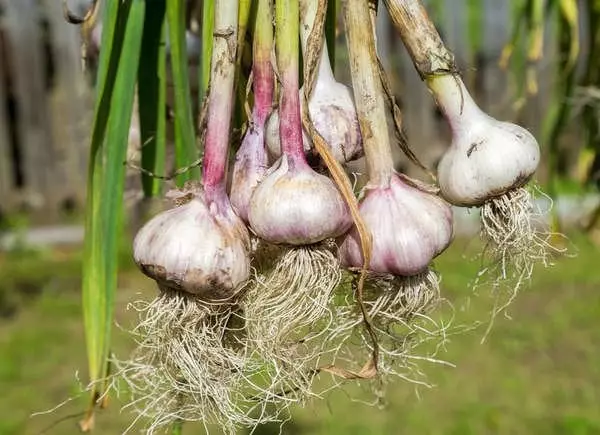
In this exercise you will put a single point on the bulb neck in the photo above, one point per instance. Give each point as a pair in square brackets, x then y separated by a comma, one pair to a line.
[216, 199]
[263, 88]
[287, 51]
[325, 73]
[456, 103]
[262, 70]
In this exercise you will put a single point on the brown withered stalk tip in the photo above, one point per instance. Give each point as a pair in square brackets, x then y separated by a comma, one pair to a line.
[420, 37]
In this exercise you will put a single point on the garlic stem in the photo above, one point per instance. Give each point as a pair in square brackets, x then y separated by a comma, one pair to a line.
[308, 11]
[422, 40]
[220, 104]
[454, 100]
[368, 92]
[286, 46]
[261, 67]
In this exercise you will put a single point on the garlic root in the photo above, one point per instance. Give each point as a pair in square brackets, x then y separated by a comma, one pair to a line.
[287, 312]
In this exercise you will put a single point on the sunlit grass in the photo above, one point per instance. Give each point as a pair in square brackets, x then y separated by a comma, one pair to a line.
[536, 373]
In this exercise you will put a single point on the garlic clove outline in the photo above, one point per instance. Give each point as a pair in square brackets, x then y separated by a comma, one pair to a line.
[487, 157]
[250, 167]
[197, 248]
[295, 205]
[409, 228]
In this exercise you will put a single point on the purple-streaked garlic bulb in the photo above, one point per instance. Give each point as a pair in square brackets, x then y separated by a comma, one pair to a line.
[408, 224]
[197, 247]
[297, 208]
[294, 205]
[409, 228]
[190, 362]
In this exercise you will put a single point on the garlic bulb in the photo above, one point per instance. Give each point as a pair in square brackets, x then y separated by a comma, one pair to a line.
[295, 205]
[196, 247]
[487, 157]
[409, 228]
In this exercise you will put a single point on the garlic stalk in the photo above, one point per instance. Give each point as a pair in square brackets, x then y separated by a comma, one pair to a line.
[331, 104]
[409, 224]
[488, 162]
[251, 160]
[299, 209]
[190, 362]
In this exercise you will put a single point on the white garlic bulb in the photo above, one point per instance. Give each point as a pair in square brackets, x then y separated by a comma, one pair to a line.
[196, 247]
[295, 205]
[409, 228]
[487, 157]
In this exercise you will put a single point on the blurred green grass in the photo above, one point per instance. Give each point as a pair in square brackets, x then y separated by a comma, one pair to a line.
[538, 373]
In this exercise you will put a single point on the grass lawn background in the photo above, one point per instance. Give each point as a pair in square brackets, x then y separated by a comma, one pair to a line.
[537, 373]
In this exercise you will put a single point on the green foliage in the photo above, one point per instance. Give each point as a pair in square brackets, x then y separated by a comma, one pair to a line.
[121, 41]
[152, 97]
[547, 354]
[186, 151]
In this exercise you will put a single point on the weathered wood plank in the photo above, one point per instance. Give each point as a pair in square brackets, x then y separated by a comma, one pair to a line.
[25, 40]
[6, 170]
[70, 104]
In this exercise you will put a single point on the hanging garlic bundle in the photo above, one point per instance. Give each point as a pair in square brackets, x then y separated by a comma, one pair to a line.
[488, 162]
[409, 225]
[299, 209]
[190, 360]
[331, 105]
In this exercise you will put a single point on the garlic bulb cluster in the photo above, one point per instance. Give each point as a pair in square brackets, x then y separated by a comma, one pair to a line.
[487, 157]
[409, 228]
[297, 206]
[198, 247]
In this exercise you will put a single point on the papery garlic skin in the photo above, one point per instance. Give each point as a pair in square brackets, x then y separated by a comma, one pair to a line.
[295, 205]
[196, 248]
[487, 157]
[251, 164]
[332, 110]
[409, 228]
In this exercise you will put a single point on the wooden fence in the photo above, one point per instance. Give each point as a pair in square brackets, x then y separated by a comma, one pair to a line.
[45, 99]
[44, 109]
